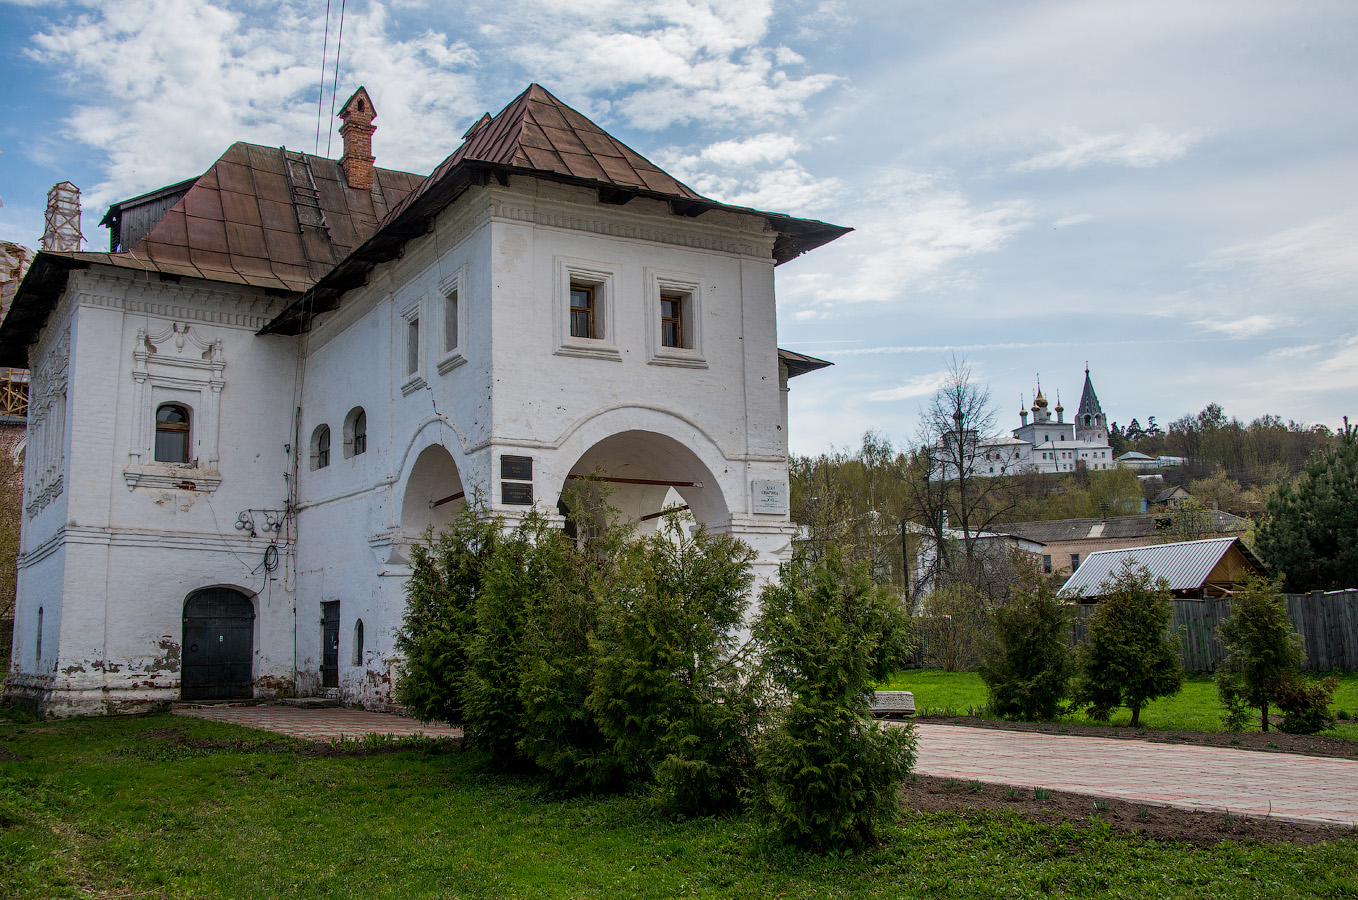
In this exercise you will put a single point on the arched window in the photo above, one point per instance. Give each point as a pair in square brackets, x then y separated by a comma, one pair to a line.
[39, 648]
[355, 432]
[358, 643]
[172, 433]
[320, 447]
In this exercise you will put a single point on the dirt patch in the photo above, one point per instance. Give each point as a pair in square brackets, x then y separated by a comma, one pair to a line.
[8, 755]
[1273, 742]
[176, 738]
[928, 793]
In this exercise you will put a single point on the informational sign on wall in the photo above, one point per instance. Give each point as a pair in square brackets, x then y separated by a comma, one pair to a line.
[770, 498]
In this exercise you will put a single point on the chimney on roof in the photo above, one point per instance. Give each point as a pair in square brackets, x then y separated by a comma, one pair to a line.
[357, 131]
[62, 232]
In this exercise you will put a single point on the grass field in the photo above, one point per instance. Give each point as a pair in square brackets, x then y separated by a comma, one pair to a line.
[112, 808]
[1195, 708]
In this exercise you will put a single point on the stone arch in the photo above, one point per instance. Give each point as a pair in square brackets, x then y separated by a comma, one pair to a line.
[651, 460]
[432, 494]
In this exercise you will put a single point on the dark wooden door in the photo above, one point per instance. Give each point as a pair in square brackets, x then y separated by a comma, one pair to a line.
[330, 644]
[219, 646]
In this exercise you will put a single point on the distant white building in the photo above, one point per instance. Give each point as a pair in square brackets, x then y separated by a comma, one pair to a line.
[1044, 445]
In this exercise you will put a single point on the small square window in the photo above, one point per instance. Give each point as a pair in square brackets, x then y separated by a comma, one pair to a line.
[672, 320]
[450, 322]
[413, 346]
[583, 311]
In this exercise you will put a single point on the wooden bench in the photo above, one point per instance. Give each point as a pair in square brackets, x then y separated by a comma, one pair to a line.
[891, 704]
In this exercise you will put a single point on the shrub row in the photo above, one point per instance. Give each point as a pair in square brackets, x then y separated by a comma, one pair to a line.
[612, 662]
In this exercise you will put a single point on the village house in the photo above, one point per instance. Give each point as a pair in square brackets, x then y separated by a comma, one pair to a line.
[1192, 570]
[287, 369]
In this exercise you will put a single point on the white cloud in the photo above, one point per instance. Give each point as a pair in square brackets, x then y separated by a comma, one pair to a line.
[1245, 327]
[675, 62]
[758, 172]
[1322, 253]
[916, 235]
[171, 85]
[919, 386]
[1150, 146]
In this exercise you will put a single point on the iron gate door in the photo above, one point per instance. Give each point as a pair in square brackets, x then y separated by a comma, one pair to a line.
[330, 644]
[219, 646]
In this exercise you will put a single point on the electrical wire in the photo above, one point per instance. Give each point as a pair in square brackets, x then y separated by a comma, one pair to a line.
[320, 94]
[334, 82]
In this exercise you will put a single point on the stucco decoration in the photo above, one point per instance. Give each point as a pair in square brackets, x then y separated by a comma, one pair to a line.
[176, 365]
[46, 440]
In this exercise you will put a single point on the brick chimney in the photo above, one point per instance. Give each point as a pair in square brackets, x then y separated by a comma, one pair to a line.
[62, 231]
[357, 131]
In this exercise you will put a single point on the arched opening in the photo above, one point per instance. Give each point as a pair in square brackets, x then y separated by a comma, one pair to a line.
[358, 643]
[355, 432]
[644, 474]
[433, 494]
[172, 433]
[320, 447]
[38, 649]
[218, 648]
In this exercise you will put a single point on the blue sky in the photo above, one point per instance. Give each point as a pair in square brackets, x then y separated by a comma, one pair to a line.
[1167, 190]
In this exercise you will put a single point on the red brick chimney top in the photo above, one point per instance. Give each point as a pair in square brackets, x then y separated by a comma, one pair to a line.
[357, 131]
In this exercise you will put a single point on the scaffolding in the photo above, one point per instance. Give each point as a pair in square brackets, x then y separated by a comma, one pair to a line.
[62, 233]
[14, 260]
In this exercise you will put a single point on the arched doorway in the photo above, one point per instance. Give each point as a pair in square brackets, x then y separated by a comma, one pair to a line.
[644, 474]
[219, 645]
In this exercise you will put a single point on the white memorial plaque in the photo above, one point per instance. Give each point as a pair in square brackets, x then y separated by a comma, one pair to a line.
[770, 498]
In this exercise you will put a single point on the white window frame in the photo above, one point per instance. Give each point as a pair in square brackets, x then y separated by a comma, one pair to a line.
[663, 281]
[176, 365]
[602, 277]
[412, 370]
[455, 285]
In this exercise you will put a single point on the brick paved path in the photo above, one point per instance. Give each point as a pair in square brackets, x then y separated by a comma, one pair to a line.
[1285, 785]
[318, 724]
[1304, 788]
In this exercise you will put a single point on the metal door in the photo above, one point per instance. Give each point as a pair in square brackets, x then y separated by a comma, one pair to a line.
[219, 646]
[330, 644]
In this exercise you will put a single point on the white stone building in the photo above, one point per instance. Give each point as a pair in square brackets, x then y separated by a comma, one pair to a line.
[1044, 445]
[289, 367]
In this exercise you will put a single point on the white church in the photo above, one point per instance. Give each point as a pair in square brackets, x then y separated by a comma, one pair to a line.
[1047, 445]
[287, 368]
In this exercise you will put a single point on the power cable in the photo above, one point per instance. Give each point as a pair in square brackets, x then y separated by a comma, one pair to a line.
[334, 82]
[320, 94]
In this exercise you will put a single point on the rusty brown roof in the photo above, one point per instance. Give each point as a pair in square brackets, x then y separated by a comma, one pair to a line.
[262, 216]
[537, 135]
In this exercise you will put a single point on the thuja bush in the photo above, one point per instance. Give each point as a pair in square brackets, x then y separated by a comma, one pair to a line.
[1306, 705]
[1130, 657]
[668, 684]
[1027, 666]
[447, 573]
[828, 775]
[1263, 651]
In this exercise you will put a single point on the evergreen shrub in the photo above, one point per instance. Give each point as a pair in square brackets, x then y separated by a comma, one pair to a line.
[1306, 705]
[1027, 666]
[828, 775]
[1263, 650]
[1130, 657]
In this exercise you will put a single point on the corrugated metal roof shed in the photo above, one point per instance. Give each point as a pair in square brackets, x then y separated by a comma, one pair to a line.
[1184, 565]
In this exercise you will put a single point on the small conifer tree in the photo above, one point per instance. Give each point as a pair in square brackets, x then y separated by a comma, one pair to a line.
[1263, 650]
[828, 634]
[1027, 666]
[1130, 657]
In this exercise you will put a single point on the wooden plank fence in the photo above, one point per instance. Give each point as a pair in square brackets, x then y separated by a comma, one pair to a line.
[1328, 624]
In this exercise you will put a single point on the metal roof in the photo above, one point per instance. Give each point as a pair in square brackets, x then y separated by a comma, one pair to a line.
[1143, 526]
[1185, 565]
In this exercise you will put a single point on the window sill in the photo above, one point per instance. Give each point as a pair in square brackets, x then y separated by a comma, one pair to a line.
[412, 384]
[450, 362]
[678, 356]
[589, 349]
[168, 476]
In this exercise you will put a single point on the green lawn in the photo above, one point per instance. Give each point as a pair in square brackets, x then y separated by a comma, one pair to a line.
[96, 808]
[1195, 708]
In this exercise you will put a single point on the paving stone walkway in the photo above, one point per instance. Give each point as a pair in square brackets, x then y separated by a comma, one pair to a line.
[1286, 786]
[1246, 782]
[318, 724]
